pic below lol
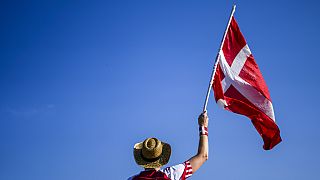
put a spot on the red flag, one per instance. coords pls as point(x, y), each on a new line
point(239, 86)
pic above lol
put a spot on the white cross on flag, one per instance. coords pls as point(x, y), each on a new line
point(239, 86)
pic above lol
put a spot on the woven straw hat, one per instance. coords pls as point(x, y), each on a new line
point(151, 153)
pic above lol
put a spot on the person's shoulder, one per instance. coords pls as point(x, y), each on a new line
point(183, 170)
point(174, 172)
point(180, 166)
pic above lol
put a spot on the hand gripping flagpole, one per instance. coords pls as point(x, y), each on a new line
point(217, 59)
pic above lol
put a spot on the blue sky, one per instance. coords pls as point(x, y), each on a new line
point(82, 81)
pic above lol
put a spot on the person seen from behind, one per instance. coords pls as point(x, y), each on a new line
point(152, 155)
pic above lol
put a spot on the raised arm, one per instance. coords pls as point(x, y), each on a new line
point(203, 149)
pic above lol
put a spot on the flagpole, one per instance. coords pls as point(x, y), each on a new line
point(217, 58)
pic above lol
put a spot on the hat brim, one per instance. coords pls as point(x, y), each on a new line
point(163, 159)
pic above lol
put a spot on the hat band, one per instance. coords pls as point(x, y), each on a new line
point(149, 159)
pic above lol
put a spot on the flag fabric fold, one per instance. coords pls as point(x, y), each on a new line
point(239, 87)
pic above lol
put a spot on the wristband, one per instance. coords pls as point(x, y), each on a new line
point(203, 130)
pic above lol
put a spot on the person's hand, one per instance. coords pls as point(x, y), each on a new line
point(203, 119)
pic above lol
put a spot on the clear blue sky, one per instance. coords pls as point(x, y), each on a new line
point(82, 81)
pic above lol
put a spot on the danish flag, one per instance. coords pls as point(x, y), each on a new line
point(239, 87)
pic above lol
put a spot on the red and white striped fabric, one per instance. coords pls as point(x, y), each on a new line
point(239, 86)
point(188, 169)
point(177, 172)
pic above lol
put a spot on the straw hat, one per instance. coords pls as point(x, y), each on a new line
point(151, 153)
